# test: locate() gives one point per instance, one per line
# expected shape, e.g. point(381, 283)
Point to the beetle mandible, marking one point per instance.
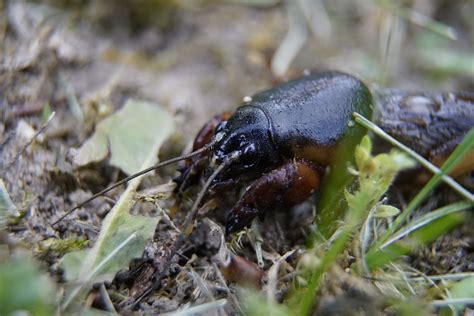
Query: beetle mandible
point(281, 140)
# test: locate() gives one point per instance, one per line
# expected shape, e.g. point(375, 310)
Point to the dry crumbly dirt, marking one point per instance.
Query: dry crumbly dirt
point(201, 61)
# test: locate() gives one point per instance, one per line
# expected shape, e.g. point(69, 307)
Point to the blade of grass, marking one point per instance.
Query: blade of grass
point(328, 259)
point(425, 163)
point(426, 219)
point(463, 289)
point(355, 216)
point(375, 175)
point(293, 41)
point(452, 301)
point(453, 276)
point(97, 268)
point(426, 278)
point(453, 159)
point(419, 19)
point(440, 174)
point(425, 234)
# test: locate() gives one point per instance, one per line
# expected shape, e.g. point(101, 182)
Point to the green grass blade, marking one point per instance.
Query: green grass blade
point(420, 19)
point(425, 163)
point(426, 220)
point(466, 145)
point(440, 174)
point(424, 234)
point(375, 175)
point(330, 257)
point(427, 278)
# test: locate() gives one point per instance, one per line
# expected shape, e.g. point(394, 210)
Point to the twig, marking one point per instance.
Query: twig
point(185, 231)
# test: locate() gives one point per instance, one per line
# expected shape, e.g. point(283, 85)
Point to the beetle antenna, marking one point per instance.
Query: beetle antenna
point(186, 228)
point(135, 175)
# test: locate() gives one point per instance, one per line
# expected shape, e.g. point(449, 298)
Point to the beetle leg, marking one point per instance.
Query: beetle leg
point(190, 173)
point(192, 168)
point(223, 186)
point(206, 133)
point(289, 184)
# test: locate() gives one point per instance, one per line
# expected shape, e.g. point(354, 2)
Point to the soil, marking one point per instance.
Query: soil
point(84, 59)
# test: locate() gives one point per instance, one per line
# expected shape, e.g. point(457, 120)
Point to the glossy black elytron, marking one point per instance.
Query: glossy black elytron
point(303, 118)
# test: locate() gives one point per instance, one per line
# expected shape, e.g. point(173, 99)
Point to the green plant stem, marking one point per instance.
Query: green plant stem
point(356, 217)
point(425, 163)
point(455, 157)
point(328, 259)
point(440, 174)
point(426, 219)
point(419, 19)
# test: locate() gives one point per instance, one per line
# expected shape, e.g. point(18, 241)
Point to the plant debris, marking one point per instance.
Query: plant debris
point(103, 68)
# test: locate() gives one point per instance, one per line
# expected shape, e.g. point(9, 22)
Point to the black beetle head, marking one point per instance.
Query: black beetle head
point(246, 138)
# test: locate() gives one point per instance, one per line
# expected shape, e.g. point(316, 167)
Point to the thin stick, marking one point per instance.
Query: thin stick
point(133, 176)
point(186, 228)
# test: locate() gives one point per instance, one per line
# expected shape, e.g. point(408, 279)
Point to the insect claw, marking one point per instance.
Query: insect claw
point(232, 224)
point(239, 218)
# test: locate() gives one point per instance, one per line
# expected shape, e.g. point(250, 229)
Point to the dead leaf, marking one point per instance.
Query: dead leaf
point(135, 135)
point(129, 133)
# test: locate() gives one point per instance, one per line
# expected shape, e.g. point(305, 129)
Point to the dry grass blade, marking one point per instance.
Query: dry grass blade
point(199, 309)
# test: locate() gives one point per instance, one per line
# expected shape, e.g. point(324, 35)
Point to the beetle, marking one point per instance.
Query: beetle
point(280, 140)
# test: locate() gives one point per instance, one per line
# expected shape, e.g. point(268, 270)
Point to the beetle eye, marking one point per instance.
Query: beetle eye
point(249, 154)
point(249, 149)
